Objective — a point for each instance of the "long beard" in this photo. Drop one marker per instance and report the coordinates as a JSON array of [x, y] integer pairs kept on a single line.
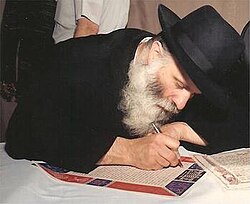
[[141, 100]]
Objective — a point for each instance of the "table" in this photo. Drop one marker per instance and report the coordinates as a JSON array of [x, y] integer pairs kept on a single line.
[[23, 183]]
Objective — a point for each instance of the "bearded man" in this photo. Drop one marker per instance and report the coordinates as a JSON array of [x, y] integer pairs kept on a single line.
[[96, 104]]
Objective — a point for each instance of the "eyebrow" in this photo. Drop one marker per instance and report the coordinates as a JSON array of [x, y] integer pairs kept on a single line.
[[186, 86]]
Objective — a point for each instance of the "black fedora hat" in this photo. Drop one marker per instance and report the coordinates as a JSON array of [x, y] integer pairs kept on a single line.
[[206, 46]]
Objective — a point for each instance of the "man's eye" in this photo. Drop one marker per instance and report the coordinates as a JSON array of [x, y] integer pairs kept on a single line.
[[179, 85]]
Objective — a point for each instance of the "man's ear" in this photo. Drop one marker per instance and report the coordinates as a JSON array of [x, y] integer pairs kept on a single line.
[[155, 51]]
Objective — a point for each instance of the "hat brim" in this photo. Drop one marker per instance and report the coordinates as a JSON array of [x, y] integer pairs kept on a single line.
[[191, 64]]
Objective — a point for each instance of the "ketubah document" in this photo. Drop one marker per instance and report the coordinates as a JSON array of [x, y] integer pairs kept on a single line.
[[231, 167], [171, 181]]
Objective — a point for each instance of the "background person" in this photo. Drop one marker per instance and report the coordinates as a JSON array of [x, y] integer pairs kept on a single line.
[[79, 18]]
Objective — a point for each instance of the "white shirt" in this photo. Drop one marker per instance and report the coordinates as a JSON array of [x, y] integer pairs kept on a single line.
[[110, 15]]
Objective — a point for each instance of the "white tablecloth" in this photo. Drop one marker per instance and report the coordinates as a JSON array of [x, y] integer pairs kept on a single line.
[[21, 182]]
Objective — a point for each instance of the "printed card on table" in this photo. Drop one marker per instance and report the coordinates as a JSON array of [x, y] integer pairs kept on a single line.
[[166, 182], [231, 167]]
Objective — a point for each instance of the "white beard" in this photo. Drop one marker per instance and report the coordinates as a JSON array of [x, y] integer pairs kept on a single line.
[[141, 99]]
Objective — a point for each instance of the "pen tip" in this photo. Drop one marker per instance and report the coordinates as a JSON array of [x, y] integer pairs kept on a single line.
[[179, 163]]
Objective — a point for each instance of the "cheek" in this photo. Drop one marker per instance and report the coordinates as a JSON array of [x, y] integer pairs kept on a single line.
[[170, 92]]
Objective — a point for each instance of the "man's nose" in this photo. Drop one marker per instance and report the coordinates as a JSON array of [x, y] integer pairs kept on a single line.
[[182, 99]]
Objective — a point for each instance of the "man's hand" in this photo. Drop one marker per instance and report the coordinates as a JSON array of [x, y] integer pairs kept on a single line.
[[182, 131], [153, 151], [85, 27]]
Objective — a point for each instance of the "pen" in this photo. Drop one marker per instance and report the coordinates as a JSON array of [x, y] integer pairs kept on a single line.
[[158, 130]]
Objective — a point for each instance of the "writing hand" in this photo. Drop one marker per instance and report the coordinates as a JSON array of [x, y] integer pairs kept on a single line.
[[153, 151]]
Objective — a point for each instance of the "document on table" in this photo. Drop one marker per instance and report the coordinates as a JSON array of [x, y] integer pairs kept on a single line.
[[171, 181], [231, 167]]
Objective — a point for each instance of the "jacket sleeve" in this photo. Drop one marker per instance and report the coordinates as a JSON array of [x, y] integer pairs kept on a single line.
[[62, 121], [222, 130]]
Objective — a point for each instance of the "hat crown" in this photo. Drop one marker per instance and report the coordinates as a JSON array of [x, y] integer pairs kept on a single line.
[[214, 37], [206, 47]]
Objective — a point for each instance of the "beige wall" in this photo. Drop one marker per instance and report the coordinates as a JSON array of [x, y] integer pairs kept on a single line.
[[143, 13]]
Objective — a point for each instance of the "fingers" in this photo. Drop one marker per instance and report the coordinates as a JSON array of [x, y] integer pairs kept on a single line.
[[182, 131], [162, 160], [154, 151], [170, 142], [167, 150], [167, 157], [191, 136]]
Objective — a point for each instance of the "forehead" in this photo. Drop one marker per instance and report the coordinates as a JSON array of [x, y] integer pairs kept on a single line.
[[180, 75]]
